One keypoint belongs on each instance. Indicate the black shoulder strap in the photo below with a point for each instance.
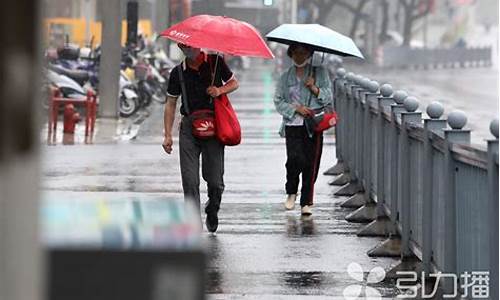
(184, 98)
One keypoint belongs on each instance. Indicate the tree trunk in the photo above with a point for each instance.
(408, 25)
(324, 12)
(397, 16)
(385, 22)
(357, 18)
(412, 13)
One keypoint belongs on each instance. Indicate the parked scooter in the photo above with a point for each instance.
(78, 68)
(151, 84)
(68, 87)
(159, 67)
(129, 100)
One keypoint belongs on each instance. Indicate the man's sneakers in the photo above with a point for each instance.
(212, 222)
(290, 201)
(306, 210)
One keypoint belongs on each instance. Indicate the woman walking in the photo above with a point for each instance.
(302, 91)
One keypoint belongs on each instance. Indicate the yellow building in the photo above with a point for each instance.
(56, 30)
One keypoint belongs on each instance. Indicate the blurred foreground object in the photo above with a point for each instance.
(123, 249)
(20, 252)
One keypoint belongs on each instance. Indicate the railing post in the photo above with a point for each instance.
(352, 102)
(370, 151)
(381, 226)
(493, 195)
(433, 125)
(455, 135)
(351, 115)
(359, 95)
(344, 129)
(338, 101)
(354, 145)
(366, 211)
(363, 157)
(382, 158)
(396, 110)
(410, 117)
(392, 245)
(383, 102)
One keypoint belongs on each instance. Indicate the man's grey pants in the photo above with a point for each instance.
(212, 167)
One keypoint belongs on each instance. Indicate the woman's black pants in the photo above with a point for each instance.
(303, 157)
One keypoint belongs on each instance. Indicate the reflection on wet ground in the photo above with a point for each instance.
(296, 280)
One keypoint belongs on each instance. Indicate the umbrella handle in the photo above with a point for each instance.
(311, 71)
(214, 72)
(215, 69)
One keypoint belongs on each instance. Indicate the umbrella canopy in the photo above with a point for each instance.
(319, 37)
(220, 34)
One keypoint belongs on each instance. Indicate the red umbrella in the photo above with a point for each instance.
(220, 34)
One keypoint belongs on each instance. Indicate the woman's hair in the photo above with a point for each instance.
(294, 46)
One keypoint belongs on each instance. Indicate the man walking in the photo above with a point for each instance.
(199, 79)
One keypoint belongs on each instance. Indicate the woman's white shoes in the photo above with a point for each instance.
(290, 204)
(290, 201)
(306, 210)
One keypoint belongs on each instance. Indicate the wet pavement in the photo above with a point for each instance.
(261, 251)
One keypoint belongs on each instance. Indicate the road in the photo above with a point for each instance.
(474, 91)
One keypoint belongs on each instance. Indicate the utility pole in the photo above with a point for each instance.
(281, 18)
(132, 22)
(88, 11)
(294, 11)
(425, 31)
(154, 16)
(371, 30)
(162, 11)
(110, 61)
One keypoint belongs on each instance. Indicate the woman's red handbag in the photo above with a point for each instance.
(325, 121)
(228, 130)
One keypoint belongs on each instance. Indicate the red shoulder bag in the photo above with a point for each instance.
(227, 126)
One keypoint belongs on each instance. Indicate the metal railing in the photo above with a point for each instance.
(420, 181)
(405, 57)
